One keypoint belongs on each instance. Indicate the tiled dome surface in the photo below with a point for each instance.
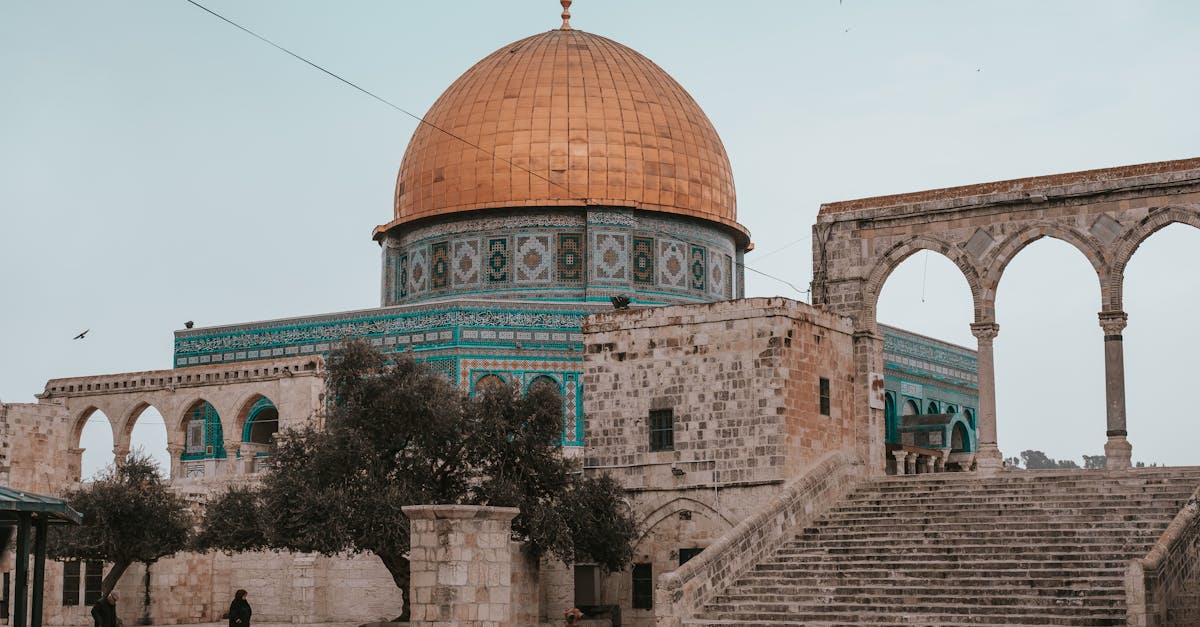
(602, 122)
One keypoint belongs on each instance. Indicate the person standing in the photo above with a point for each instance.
(104, 612)
(239, 610)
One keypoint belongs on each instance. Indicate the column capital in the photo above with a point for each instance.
(1113, 322)
(985, 331)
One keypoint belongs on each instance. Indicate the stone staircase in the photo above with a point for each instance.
(1021, 548)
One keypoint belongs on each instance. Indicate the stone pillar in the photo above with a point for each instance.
(900, 455)
(927, 463)
(174, 451)
(988, 459)
(1117, 450)
(869, 427)
(461, 565)
(910, 464)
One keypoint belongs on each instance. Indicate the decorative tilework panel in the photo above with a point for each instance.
(439, 272)
(444, 367)
(418, 271)
(718, 275)
(402, 276)
(466, 262)
(570, 257)
(533, 259)
(643, 260)
(571, 404)
(497, 260)
(610, 256)
(696, 263)
(730, 277)
(672, 264)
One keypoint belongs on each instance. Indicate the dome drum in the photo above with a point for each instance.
(555, 253)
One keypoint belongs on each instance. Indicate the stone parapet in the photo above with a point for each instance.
(1163, 588)
(681, 593)
(461, 565)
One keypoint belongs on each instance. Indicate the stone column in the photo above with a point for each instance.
(174, 451)
(900, 455)
(988, 459)
(461, 565)
(1117, 450)
(869, 427)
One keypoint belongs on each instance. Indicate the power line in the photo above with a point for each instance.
(385, 101)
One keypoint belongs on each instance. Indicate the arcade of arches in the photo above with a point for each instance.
(1106, 214)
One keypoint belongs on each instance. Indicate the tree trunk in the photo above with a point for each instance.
(399, 568)
(113, 576)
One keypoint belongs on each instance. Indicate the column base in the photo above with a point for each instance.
(1117, 453)
(988, 460)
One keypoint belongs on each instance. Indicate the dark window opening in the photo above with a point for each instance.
(824, 396)
(92, 579)
(70, 590)
(643, 587)
(687, 554)
(662, 430)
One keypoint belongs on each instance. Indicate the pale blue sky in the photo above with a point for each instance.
(157, 165)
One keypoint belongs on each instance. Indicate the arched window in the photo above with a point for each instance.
(960, 440)
(890, 418)
(544, 382)
(911, 408)
(203, 438)
(488, 381)
(933, 408)
(262, 422)
(970, 416)
(951, 409)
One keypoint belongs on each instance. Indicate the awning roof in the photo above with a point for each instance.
(13, 503)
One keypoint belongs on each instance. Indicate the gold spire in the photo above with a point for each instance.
(566, 14)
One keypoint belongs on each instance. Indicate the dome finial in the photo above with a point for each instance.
(566, 14)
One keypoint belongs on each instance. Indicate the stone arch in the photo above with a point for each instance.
(1133, 237)
(672, 508)
(131, 417)
(885, 264)
(213, 436)
(256, 406)
(81, 420)
(1012, 246)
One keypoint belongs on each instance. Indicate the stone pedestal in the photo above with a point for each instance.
(461, 565)
(1118, 453)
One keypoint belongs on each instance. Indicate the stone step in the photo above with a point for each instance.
(1018, 549)
(943, 615)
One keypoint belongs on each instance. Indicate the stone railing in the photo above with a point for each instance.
(681, 593)
(1163, 588)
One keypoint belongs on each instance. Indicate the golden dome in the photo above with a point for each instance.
(566, 118)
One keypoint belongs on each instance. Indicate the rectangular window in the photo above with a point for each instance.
(70, 583)
(662, 430)
(195, 437)
(824, 396)
(643, 587)
(92, 578)
(687, 554)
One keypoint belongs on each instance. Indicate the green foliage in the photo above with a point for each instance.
(399, 435)
(232, 522)
(129, 516)
(1095, 462)
(1037, 460)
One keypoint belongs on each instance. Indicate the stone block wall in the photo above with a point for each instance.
(43, 459)
(756, 416)
(461, 564)
(743, 381)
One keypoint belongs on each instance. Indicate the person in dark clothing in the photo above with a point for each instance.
(239, 610)
(104, 612)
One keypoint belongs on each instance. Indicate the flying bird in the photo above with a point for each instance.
(80, 336)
